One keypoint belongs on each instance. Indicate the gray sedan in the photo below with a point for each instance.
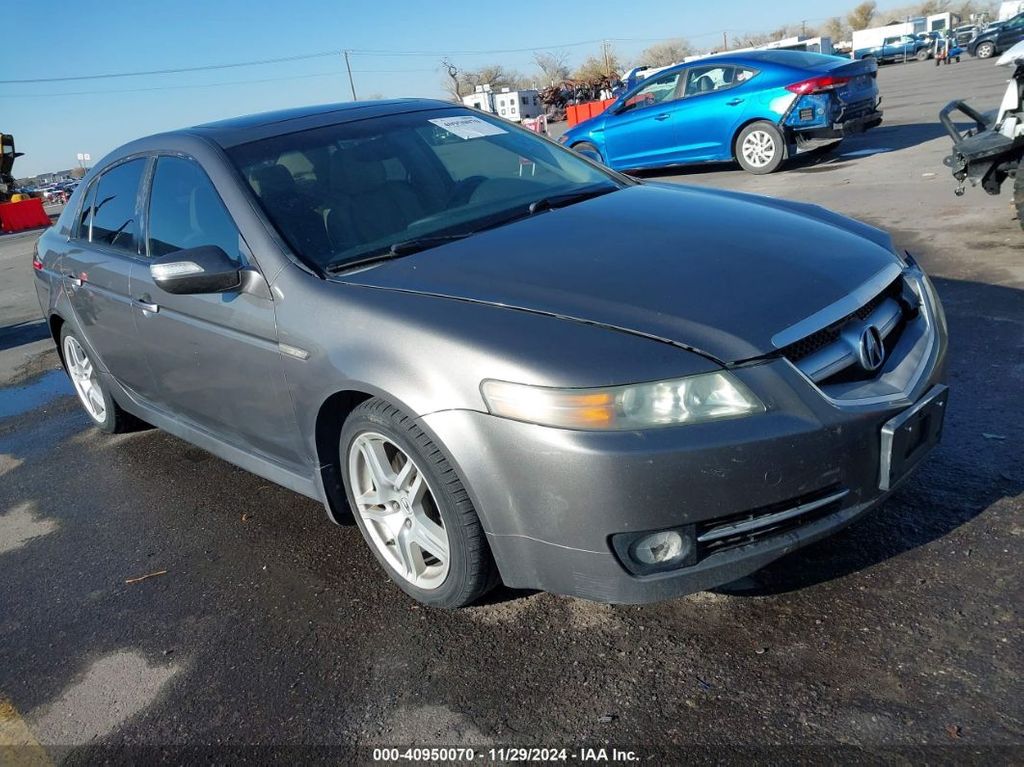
(503, 360)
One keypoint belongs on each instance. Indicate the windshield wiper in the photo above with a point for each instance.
(397, 250)
(561, 200)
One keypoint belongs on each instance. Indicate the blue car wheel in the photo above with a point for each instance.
(760, 148)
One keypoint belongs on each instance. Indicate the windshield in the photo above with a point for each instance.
(342, 193)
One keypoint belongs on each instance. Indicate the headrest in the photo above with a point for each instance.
(359, 169)
(273, 180)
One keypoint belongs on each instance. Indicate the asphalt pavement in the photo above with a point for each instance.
(262, 625)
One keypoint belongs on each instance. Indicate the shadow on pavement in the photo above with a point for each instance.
(22, 333)
(881, 140)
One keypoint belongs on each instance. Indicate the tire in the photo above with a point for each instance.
(985, 50)
(93, 395)
(760, 148)
(437, 512)
(586, 146)
(922, 55)
(1018, 196)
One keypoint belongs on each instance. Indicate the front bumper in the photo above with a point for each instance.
(550, 499)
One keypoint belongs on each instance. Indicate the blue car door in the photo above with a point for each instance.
(713, 104)
(639, 130)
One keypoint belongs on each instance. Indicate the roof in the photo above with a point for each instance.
(241, 130)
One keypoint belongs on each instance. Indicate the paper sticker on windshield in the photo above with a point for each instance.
(468, 126)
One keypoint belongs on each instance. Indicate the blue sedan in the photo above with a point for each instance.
(758, 108)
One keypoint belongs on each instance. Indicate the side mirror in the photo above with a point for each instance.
(207, 269)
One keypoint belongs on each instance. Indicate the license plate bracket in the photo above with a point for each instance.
(910, 436)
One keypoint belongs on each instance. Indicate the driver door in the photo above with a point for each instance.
(643, 129)
(214, 357)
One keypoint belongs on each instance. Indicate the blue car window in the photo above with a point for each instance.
(657, 91)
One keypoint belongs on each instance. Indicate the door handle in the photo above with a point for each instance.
(75, 281)
(734, 102)
(662, 116)
(146, 306)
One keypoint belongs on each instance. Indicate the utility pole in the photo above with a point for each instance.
(607, 65)
(725, 41)
(351, 82)
(803, 28)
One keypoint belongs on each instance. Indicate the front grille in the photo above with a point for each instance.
(725, 533)
(829, 355)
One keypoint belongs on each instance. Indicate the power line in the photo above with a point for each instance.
(340, 52)
(168, 87)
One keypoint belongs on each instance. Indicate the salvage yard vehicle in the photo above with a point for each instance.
(349, 300)
(997, 38)
(898, 48)
(990, 152)
(757, 108)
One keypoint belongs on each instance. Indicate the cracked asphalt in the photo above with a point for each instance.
(900, 638)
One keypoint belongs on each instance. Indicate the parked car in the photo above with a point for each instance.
(356, 302)
(997, 38)
(898, 48)
(757, 108)
(966, 33)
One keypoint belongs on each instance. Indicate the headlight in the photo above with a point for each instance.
(694, 399)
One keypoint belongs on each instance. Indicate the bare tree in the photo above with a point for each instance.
(835, 29)
(667, 52)
(460, 83)
(453, 86)
(553, 66)
(861, 16)
(599, 67)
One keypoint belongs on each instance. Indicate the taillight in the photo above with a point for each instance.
(36, 263)
(817, 84)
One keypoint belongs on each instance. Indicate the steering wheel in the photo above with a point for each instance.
(462, 192)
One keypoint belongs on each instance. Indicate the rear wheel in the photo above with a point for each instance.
(922, 55)
(413, 509)
(760, 148)
(106, 414)
(985, 51)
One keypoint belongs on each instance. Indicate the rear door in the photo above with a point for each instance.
(642, 130)
(214, 357)
(711, 109)
(96, 268)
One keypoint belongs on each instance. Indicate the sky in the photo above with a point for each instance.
(396, 50)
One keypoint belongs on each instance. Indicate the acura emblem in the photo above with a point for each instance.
(872, 350)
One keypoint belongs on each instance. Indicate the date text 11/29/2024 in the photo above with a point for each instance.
(502, 754)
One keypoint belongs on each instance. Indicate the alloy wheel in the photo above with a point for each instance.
(85, 380)
(759, 148)
(397, 506)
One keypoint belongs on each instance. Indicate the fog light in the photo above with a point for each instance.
(651, 552)
(658, 548)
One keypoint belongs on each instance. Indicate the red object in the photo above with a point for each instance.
(19, 216)
(36, 263)
(817, 84)
(577, 113)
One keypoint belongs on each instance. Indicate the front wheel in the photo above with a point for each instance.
(922, 55)
(985, 51)
(760, 148)
(413, 509)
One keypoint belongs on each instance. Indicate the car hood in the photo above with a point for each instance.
(716, 272)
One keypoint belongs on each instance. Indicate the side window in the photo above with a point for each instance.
(657, 91)
(185, 211)
(81, 231)
(113, 210)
